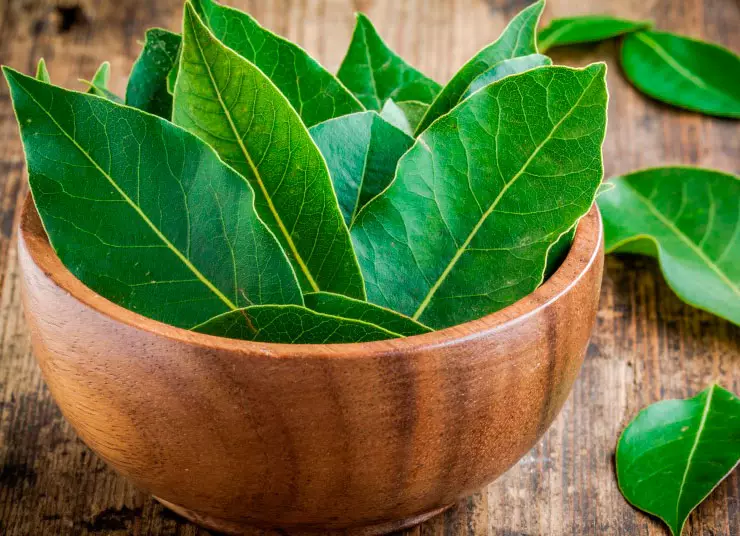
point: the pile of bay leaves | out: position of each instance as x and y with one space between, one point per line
242 190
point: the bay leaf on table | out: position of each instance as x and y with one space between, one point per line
684 72
675 452
374 73
586 29
42 74
519 38
143 212
506 68
267 143
689 218
361 151
292 324
147 83
465 227
314 92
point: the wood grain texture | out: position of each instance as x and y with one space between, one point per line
647 345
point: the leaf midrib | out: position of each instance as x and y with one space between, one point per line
255 171
461 250
697 438
686 240
680 69
138 210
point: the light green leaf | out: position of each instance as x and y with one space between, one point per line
230 104
41 73
518 39
147 84
506 68
675 452
374 73
314 92
362 151
586 29
394 114
99 84
465 227
689 218
292 324
143 212
344 307
172 75
684 72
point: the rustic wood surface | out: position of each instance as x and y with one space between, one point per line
647 345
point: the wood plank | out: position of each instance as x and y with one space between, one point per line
647 344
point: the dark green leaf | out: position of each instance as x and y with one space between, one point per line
147 85
465 227
344 307
675 452
506 68
689 218
558 252
228 102
313 91
292 324
687 73
374 73
41 73
362 151
172 75
143 212
586 29
517 39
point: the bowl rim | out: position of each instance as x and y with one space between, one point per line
584 251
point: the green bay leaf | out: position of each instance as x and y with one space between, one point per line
99 84
506 68
314 92
143 212
675 452
234 107
374 73
404 115
518 39
586 29
42 74
465 227
349 308
292 324
684 72
361 151
147 84
689 218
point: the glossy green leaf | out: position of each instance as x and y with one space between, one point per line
518 39
41 73
507 68
689 218
684 72
405 115
143 212
465 227
344 307
147 84
676 452
374 73
314 92
362 151
586 29
230 104
292 324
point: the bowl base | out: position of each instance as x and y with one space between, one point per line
245 529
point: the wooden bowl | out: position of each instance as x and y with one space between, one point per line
360 438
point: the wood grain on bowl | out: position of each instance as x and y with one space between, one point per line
355 437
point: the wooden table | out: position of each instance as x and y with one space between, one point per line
647 345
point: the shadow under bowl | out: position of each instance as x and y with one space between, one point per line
358 438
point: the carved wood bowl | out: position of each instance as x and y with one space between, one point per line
357 438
